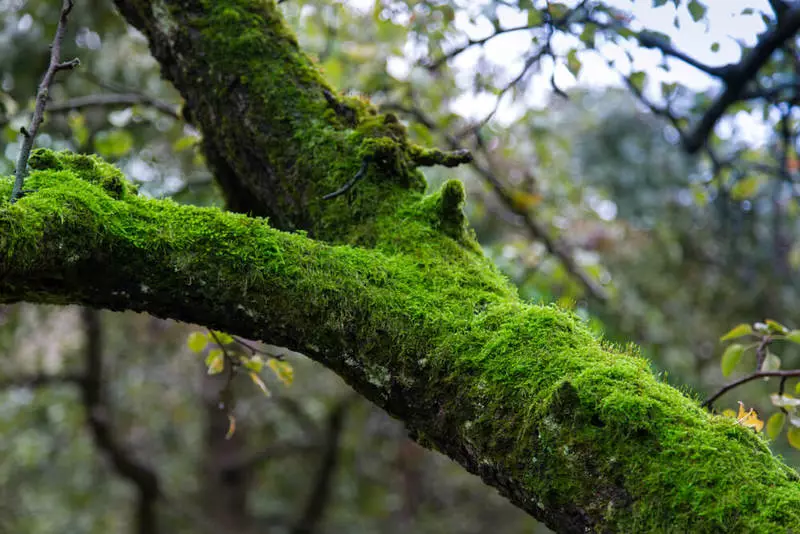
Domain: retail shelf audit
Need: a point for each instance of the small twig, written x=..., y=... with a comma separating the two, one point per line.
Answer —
x=708, y=403
x=56, y=65
x=349, y=185
x=114, y=100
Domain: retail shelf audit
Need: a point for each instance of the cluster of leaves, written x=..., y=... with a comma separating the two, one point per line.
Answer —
x=762, y=336
x=224, y=351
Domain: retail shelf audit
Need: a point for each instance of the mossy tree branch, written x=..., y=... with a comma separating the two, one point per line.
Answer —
x=576, y=432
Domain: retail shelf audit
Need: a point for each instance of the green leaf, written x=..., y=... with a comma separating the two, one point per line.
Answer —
x=794, y=336
x=573, y=63
x=637, y=79
x=731, y=357
x=793, y=435
x=746, y=188
x=222, y=338
x=114, y=144
x=659, y=3
x=772, y=362
x=697, y=10
x=255, y=364
x=534, y=17
x=776, y=327
x=197, y=341
x=775, y=424
x=715, y=47
x=215, y=361
x=588, y=35
x=737, y=331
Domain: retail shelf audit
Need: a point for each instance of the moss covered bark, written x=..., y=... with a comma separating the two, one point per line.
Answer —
x=578, y=433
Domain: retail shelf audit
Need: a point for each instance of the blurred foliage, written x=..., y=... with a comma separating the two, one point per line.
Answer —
x=689, y=249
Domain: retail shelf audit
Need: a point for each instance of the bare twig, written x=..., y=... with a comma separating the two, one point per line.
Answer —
x=115, y=100
x=752, y=376
x=29, y=134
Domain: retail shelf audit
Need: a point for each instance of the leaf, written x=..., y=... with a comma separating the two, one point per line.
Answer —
x=260, y=383
x=231, y=426
x=749, y=419
x=255, y=364
x=793, y=435
x=775, y=424
x=215, y=361
x=222, y=338
x=731, y=357
x=794, y=336
x=715, y=47
x=197, y=341
x=283, y=370
x=737, y=331
x=784, y=400
x=637, y=79
x=697, y=10
x=114, y=144
x=776, y=327
x=771, y=363
x=746, y=188
x=573, y=63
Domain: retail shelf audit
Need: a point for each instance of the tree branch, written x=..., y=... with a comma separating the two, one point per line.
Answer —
x=97, y=413
x=115, y=100
x=577, y=433
x=314, y=509
x=735, y=83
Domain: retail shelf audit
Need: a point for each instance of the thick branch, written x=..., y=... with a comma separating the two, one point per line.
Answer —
x=577, y=433
x=742, y=75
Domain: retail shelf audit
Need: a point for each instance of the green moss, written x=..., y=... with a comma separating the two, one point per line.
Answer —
x=526, y=389
x=400, y=302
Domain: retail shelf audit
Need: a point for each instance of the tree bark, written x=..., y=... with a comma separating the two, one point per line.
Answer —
x=383, y=285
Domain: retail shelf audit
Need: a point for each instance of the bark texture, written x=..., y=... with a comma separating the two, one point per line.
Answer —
x=383, y=285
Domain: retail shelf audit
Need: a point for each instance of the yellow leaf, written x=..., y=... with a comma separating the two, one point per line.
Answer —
x=197, y=341
x=215, y=361
x=221, y=337
x=793, y=435
x=231, y=426
x=283, y=370
x=749, y=419
x=260, y=383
